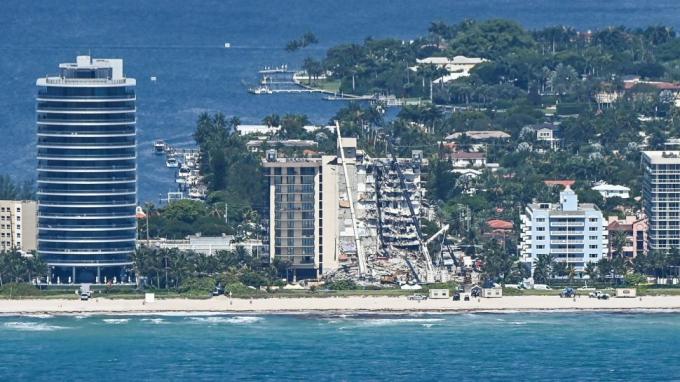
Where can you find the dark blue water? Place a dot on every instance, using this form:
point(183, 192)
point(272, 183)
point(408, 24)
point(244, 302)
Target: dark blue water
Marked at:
point(492, 347)
point(181, 43)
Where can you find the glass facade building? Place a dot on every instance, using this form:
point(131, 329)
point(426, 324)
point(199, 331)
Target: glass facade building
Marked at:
point(661, 198)
point(87, 173)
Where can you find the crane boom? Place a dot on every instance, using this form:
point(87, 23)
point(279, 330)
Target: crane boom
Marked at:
point(360, 253)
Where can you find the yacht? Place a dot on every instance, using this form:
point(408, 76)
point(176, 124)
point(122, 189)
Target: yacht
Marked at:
point(172, 162)
point(159, 146)
point(261, 90)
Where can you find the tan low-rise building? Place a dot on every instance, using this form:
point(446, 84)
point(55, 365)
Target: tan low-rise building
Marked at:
point(18, 225)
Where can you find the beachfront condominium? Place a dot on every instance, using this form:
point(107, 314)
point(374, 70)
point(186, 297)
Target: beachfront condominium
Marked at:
point(661, 198)
point(302, 221)
point(87, 173)
point(18, 225)
point(573, 233)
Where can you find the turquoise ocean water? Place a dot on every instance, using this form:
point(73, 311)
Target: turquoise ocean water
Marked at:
point(419, 347)
point(181, 42)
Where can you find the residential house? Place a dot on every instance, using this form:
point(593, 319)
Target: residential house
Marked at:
point(612, 190)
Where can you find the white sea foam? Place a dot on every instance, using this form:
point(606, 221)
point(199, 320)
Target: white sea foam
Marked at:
point(155, 321)
point(37, 315)
point(397, 321)
point(32, 326)
point(116, 321)
point(240, 320)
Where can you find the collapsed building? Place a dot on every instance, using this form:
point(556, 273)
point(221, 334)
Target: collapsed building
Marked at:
point(359, 218)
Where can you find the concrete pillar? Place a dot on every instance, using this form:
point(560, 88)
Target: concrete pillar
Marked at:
point(74, 274)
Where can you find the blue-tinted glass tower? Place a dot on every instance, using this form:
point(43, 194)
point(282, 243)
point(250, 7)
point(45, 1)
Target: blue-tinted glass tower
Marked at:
point(87, 172)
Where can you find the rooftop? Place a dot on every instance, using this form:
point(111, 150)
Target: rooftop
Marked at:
point(468, 155)
point(480, 135)
point(89, 71)
point(662, 157)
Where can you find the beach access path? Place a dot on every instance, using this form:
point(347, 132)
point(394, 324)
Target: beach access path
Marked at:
point(223, 304)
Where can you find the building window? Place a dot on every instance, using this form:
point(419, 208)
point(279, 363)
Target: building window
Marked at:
point(592, 246)
point(540, 220)
point(540, 228)
point(592, 237)
point(540, 237)
point(592, 228)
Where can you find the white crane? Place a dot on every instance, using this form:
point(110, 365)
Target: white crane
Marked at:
point(360, 252)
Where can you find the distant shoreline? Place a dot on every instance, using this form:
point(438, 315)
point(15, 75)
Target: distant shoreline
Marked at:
point(335, 306)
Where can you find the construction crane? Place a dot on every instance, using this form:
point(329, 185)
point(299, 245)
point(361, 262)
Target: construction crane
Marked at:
point(360, 252)
point(441, 231)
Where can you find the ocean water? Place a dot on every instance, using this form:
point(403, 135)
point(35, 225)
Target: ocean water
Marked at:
point(181, 43)
point(466, 347)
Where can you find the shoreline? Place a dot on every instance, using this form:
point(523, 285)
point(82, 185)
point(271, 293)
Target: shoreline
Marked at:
point(335, 306)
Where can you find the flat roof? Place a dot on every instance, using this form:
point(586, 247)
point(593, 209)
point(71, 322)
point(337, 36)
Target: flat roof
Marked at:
point(661, 157)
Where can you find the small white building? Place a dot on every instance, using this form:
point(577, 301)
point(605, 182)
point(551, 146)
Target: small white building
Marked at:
point(495, 292)
point(612, 190)
point(458, 66)
point(439, 293)
point(257, 129)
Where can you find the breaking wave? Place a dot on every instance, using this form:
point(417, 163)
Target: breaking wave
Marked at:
point(32, 326)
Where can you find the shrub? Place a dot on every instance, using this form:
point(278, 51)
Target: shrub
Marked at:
point(197, 286)
point(18, 290)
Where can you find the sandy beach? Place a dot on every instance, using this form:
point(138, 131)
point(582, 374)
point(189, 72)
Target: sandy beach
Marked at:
point(332, 304)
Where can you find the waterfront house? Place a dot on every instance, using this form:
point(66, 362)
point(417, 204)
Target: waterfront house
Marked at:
point(468, 159)
point(612, 190)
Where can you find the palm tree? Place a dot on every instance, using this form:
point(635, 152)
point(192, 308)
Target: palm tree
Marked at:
point(543, 270)
point(591, 270)
point(605, 268)
point(619, 240)
point(571, 273)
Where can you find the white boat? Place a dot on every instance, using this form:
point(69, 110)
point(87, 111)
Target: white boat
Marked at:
point(261, 90)
point(172, 162)
point(184, 171)
point(159, 146)
point(227, 45)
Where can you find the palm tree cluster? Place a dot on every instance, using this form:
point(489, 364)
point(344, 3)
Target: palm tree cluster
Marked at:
point(17, 268)
point(175, 269)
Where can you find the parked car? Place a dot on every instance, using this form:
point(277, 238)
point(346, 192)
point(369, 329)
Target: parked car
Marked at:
point(568, 293)
point(599, 295)
point(456, 296)
point(218, 291)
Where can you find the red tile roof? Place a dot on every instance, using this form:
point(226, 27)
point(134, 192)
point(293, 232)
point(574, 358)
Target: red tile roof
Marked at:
point(565, 183)
point(499, 224)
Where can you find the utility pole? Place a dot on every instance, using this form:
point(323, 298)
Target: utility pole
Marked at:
point(226, 213)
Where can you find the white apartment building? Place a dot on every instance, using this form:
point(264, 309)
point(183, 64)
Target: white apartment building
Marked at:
point(572, 232)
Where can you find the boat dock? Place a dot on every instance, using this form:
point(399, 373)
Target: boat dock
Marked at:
point(187, 161)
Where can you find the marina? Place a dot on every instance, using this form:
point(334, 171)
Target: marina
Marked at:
point(188, 179)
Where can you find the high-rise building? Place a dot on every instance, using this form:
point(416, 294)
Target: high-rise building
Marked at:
point(661, 198)
point(303, 198)
point(87, 173)
point(573, 233)
point(18, 225)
